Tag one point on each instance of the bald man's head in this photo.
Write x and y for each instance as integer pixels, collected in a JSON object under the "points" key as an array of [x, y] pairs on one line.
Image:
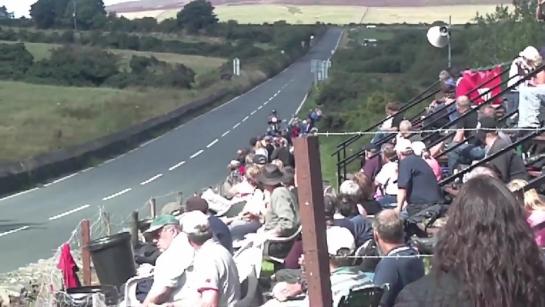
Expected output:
{"points": [[389, 226], [463, 103]]}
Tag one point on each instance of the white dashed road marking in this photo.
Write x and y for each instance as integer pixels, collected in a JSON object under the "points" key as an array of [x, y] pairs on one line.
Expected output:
{"points": [[18, 194], [260, 107], [176, 166], [60, 180], [13, 231], [225, 133], [212, 143], [236, 125], [253, 112], [56, 217], [193, 156], [151, 179], [117, 194], [245, 118]]}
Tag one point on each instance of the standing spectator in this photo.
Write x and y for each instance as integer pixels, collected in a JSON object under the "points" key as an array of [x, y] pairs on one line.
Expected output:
{"points": [[215, 274], [416, 182], [520, 67], [534, 205], [220, 231], [509, 164], [171, 267], [397, 273], [532, 99], [485, 255]]}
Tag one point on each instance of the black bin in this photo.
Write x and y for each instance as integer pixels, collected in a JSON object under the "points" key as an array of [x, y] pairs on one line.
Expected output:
{"points": [[113, 259]]}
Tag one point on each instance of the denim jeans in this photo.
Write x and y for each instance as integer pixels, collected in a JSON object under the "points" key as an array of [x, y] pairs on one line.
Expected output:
{"points": [[465, 153]]}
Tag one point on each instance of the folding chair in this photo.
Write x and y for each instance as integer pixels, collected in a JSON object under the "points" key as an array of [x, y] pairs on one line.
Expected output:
{"points": [[276, 240], [366, 296]]}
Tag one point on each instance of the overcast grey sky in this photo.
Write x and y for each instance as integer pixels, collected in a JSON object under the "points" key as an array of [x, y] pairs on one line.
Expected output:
{"points": [[21, 7]]}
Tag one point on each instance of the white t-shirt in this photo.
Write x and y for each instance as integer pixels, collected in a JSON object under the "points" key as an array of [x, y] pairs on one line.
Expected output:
{"points": [[387, 178], [215, 269], [387, 124], [172, 264]]}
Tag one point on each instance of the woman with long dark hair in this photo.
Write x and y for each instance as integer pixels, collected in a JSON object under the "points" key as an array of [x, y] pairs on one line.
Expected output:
{"points": [[485, 256]]}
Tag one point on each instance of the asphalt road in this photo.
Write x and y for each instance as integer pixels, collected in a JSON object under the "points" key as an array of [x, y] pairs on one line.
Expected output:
{"points": [[186, 159]]}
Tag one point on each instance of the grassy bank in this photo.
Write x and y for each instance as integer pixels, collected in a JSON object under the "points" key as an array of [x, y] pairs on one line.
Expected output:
{"points": [[36, 119], [336, 14], [199, 64]]}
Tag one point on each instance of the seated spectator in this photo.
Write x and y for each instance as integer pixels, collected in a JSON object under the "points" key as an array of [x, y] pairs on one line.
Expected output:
{"points": [[371, 161], [485, 254], [468, 152], [396, 273], [215, 274], [437, 113], [344, 277], [386, 180], [509, 164], [282, 217], [249, 219], [363, 229], [534, 205], [220, 231], [417, 186], [520, 67], [366, 201], [169, 276], [261, 150], [405, 131], [282, 153], [233, 178], [446, 78], [391, 124], [420, 150]]}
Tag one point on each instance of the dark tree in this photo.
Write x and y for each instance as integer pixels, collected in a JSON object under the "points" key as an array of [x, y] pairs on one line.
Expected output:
{"points": [[197, 15], [15, 60], [43, 13]]}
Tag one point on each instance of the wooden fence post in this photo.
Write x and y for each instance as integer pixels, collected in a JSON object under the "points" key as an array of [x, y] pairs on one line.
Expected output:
{"points": [[133, 226], [311, 207], [85, 254]]}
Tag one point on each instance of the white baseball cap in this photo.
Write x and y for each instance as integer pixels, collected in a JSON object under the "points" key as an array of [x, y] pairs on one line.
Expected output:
{"points": [[531, 53], [339, 238], [418, 148], [403, 145], [195, 222]]}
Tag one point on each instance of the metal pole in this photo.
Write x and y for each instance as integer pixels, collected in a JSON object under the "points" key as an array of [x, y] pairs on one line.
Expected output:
{"points": [[449, 41], [75, 15], [311, 208]]}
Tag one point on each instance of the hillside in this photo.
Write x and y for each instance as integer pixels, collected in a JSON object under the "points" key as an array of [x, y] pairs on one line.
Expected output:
{"points": [[147, 5]]}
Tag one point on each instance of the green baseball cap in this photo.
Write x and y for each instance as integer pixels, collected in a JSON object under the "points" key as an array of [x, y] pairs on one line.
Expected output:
{"points": [[161, 221]]}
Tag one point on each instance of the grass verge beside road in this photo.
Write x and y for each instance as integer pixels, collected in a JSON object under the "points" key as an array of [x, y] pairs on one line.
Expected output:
{"points": [[36, 118]]}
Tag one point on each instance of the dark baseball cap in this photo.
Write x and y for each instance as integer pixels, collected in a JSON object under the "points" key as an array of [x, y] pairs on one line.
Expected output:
{"points": [[196, 204]]}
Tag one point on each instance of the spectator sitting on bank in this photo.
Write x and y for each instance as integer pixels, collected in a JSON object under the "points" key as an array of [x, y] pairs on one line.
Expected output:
{"points": [[485, 255], [389, 235], [386, 180], [282, 153], [233, 178], [446, 78], [261, 150], [534, 206], [437, 113], [249, 219], [417, 185], [510, 165], [532, 99], [363, 229], [220, 231], [369, 204], [372, 162], [344, 276], [390, 125], [171, 266], [215, 274], [405, 131]]}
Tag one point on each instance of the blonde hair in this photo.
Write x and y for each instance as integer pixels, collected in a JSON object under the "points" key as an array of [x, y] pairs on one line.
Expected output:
{"points": [[252, 173], [532, 200]]}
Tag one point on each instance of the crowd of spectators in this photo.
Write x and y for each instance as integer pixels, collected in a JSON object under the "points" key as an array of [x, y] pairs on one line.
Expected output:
{"points": [[486, 253]]}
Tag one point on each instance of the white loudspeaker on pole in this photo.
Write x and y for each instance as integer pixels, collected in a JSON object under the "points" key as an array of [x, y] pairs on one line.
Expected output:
{"points": [[439, 37]]}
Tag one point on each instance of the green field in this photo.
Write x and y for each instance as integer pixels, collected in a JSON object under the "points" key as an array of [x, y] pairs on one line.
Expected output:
{"points": [[309, 14], [199, 64], [39, 118]]}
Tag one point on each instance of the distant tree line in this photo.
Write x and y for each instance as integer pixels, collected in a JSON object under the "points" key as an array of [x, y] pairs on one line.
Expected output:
{"points": [[76, 66]]}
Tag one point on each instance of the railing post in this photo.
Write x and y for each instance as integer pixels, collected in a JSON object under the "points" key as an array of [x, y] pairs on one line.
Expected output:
{"points": [[153, 207], [311, 206], [85, 254]]}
